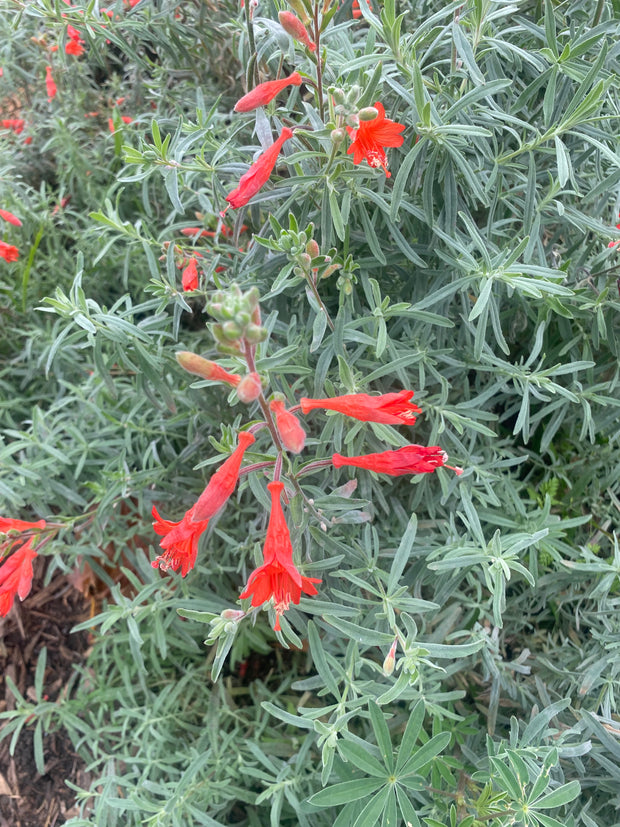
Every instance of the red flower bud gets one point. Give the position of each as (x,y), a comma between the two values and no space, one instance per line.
(12,219)
(8,251)
(292,25)
(265,92)
(292,435)
(205,368)
(249,388)
(190,275)
(223,482)
(49,83)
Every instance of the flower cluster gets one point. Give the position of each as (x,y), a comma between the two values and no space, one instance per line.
(277,580)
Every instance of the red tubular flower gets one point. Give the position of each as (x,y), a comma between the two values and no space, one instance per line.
(194,232)
(265,92)
(49,83)
(412,459)
(180,543)
(15,124)
(16,576)
(9,524)
(222,484)
(371,136)
(190,275)
(16,570)
(258,174)
(8,251)
(389,408)
(12,219)
(292,435)
(249,388)
(292,25)
(74,47)
(278,579)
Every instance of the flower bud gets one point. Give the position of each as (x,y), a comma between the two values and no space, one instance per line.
(255,333)
(298,7)
(292,435)
(305,260)
(369,113)
(231,331)
(337,136)
(292,25)
(312,249)
(338,95)
(352,121)
(249,388)
(205,368)
(390,661)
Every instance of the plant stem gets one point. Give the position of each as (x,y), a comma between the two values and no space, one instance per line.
(598,13)
(319,65)
(314,289)
(252,72)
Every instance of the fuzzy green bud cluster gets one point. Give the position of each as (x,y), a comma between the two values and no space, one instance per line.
(238,318)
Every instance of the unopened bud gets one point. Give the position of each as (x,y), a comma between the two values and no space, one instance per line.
(231,331)
(233,614)
(292,435)
(390,661)
(337,136)
(369,113)
(249,388)
(205,368)
(298,7)
(242,318)
(305,260)
(329,270)
(338,95)
(312,249)
(352,121)
(255,333)
(292,25)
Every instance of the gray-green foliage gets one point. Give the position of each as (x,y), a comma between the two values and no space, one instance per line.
(479,275)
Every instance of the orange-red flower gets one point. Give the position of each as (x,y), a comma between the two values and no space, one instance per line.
(369,139)
(223,482)
(16,570)
(412,459)
(292,435)
(258,174)
(12,219)
(49,83)
(190,275)
(278,579)
(8,251)
(16,576)
(265,92)
(15,124)
(180,543)
(389,408)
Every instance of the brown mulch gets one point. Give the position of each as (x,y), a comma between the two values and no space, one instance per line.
(44,619)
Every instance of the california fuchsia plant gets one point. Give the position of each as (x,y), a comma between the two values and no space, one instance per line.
(237,238)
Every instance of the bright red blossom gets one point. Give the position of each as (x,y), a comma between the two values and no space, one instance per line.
(180,543)
(258,174)
(292,435)
(278,579)
(12,219)
(266,92)
(16,570)
(16,576)
(49,83)
(8,251)
(389,408)
(371,137)
(15,124)
(412,459)
(190,275)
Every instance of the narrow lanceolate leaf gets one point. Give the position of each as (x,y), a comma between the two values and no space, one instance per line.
(426,753)
(563,795)
(345,792)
